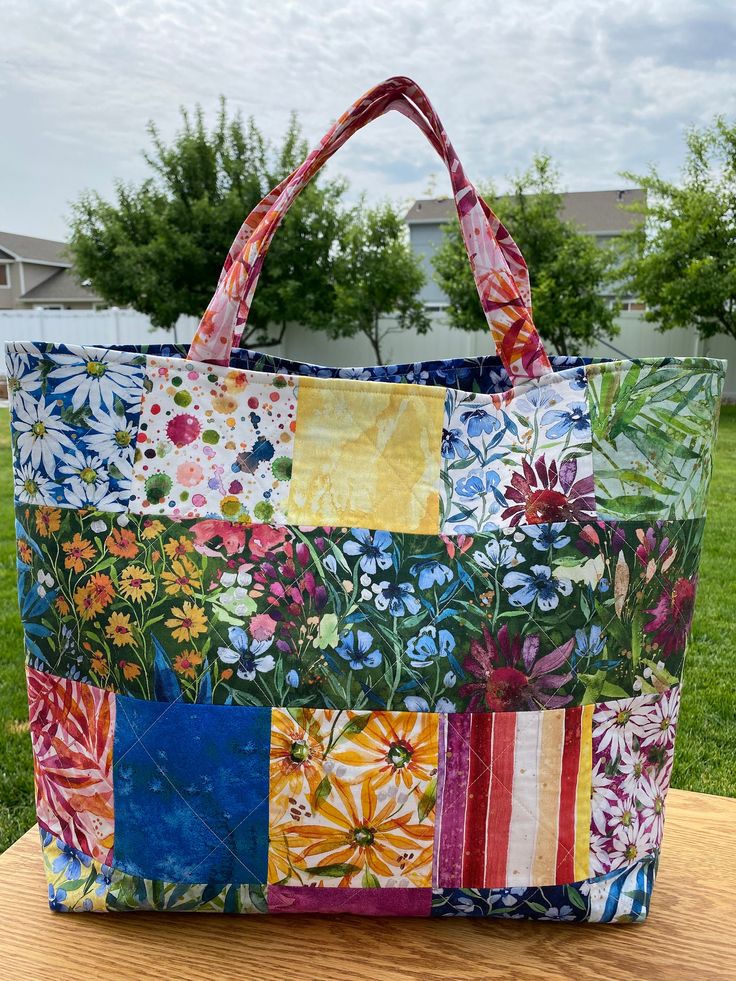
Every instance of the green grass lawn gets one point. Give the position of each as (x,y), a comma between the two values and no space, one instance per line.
(706,744)
(16,769)
(705,758)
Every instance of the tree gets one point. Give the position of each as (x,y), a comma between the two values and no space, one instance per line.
(681,260)
(568,272)
(159,247)
(377,275)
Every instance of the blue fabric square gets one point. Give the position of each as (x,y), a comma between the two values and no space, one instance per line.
(191,791)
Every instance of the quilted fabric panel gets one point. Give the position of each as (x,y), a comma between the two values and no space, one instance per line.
(618,897)
(131,892)
(74,422)
(541,616)
(514,799)
(360,801)
(352,798)
(633,742)
(72,727)
(215,442)
(198,775)
(523,457)
(79,884)
(367,455)
(359,902)
(654,426)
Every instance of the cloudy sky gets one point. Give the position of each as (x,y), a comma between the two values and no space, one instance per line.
(601,86)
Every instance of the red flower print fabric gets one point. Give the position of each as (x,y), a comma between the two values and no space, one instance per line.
(523,457)
(72,727)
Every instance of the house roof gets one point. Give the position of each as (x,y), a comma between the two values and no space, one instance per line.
(62,286)
(430,211)
(32,249)
(594,211)
(603,211)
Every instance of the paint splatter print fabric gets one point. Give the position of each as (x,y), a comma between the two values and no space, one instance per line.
(402,640)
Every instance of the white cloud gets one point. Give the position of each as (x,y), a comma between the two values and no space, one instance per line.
(603,87)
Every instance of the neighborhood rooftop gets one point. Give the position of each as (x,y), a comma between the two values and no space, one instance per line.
(594,211)
(38,272)
(62,287)
(30,249)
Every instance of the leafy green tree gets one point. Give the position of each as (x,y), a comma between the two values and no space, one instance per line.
(376,276)
(569,273)
(158,247)
(681,260)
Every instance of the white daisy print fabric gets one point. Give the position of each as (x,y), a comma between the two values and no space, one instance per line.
(633,752)
(75,413)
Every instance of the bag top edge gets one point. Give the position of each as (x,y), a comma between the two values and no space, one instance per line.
(694,364)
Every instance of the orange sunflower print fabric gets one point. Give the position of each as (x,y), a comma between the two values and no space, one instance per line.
(352,798)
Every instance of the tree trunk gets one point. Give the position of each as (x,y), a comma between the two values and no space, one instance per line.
(266,341)
(560,343)
(374,337)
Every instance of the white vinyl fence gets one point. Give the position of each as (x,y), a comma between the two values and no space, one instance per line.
(102,327)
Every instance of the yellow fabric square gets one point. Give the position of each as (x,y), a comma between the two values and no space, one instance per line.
(367,455)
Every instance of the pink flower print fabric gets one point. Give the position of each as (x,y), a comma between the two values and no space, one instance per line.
(633,754)
(214,442)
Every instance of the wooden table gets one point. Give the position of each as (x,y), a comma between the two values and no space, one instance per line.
(690,933)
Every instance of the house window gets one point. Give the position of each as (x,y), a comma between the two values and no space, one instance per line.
(4,274)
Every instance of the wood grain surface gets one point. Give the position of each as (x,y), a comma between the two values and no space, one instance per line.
(690,933)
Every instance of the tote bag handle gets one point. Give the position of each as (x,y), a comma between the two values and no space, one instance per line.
(499,269)
(399,104)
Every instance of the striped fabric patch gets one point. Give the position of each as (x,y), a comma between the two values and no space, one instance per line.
(513,803)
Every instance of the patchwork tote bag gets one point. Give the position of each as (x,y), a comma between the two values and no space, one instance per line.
(395,640)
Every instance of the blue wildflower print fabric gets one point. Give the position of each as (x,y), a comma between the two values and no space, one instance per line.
(620,896)
(520,458)
(531,617)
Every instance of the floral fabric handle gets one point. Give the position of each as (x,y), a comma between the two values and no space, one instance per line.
(499,269)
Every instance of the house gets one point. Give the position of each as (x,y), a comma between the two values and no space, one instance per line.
(38,273)
(598,213)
